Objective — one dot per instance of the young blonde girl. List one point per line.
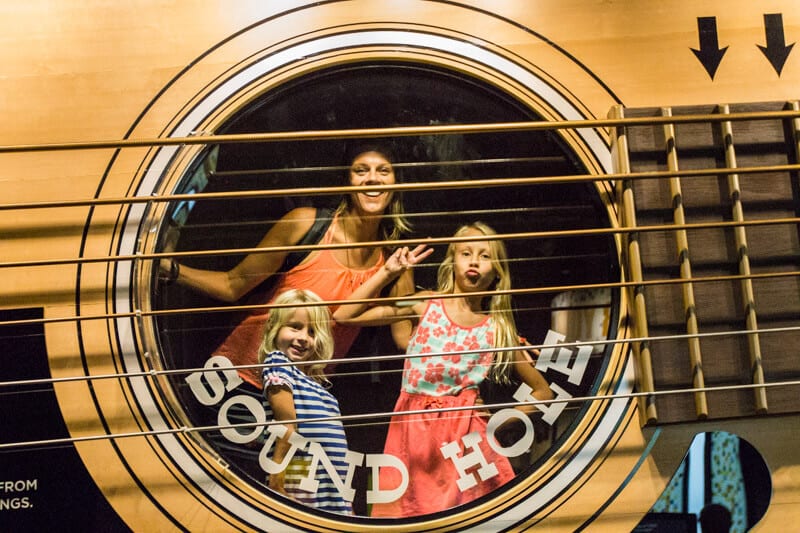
(294, 336)
(456, 325)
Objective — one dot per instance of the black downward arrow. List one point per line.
(710, 54)
(776, 50)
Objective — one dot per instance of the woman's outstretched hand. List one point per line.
(360, 313)
(404, 258)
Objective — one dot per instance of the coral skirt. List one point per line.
(417, 440)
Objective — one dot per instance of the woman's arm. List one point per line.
(282, 403)
(402, 329)
(231, 285)
(364, 314)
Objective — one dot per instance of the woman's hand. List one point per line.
(362, 313)
(403, 259)
(168, 271)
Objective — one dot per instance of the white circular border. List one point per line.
(192, 121)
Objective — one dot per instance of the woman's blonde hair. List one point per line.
(319, 319)
(505, 329)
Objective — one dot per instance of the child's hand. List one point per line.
(403, 259)
(276, 482)
(482, 411)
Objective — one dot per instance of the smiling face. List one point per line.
(371, 168)
(473, 269)
(296, 336)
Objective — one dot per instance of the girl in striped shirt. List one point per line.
(296, 347)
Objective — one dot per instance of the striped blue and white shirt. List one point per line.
(311, 401)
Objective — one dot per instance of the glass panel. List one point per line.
(723, 484)
(384, 95)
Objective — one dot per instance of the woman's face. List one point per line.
(371, 168)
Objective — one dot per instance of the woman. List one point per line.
(333, 274)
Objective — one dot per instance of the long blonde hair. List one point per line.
(320, 319)
(505, 329)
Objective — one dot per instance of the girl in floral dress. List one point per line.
(455, 326)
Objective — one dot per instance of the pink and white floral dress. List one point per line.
(445, 378)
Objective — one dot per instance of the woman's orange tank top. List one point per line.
(323, 275)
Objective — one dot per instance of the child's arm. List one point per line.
(524, 367)
(361, 313)
(281, 401)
